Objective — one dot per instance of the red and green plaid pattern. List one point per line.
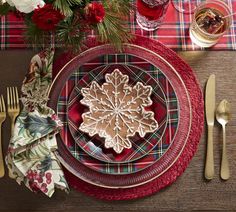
(11, 32)
(80, 78)
(140, 146)
(173, 33)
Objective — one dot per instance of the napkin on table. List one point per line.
(31, 159)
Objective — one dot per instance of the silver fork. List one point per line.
(13, 106)
(2, 119)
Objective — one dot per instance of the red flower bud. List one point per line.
(94, 12)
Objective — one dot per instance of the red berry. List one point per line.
(30, 175)
(34, 186)
(39, 178)
(48, 181)
(48, 175)
(44, 185)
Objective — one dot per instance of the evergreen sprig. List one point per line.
(112, 30)
(70, 33)
(5, 9)
(65, 6)
(121, 7)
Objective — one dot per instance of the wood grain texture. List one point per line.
(189, 192)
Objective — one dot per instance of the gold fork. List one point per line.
(2, 119)
(13, 106)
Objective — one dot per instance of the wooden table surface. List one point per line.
(189, 192)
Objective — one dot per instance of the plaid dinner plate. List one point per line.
(160, 140)
(165, 106)
(140, 146)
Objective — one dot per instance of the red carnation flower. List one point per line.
(47, 18)
(95, 12)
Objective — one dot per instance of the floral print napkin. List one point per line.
(31, 157)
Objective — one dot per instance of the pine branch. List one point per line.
(65, 6)
(74, 2)
(121, 7)
(5, 9)
(70, 34)
(112, 30)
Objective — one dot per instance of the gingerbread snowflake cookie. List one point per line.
(117, 111)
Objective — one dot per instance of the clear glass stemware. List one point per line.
(185, 6)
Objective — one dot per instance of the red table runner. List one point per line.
(174, 32)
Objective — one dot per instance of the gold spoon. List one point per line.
(223, 115)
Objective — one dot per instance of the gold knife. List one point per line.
(210, 117)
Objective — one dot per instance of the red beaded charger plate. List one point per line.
(151, 50)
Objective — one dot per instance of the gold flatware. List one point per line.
(223, 115)
(13, 106)
(2, 119)
(210, 117)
